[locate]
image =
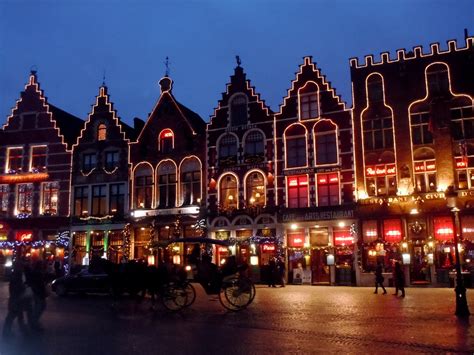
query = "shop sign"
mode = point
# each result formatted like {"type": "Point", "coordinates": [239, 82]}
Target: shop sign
{"type": "Point", "coordinates": [296, 241]}
{"type": "Point", "coordinates": [298, 171]}
{"type": "Point", "coordinates": [402, 199]}
{"type": "Point", "coordinates": [24, 236]}
{"type": "Point", "coordinates": [343, 239]}
{"type": "Point", "coordinates": [268, 247]}
{"type": "Point", "coordinates": [316, 216]}
{"type": "Point", "coordinates": [466, 193]}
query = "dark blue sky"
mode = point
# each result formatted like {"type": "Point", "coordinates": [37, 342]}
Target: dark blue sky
{"type": "Point", "coordinates": [71, 43]}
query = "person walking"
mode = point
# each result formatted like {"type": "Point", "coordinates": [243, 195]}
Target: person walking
{"type": "Point", "coordinates": [399, 279]}
{"type": "Point", "coordinates": [19, 301]}
{"type": "Point", "coordinates": [379, 279]}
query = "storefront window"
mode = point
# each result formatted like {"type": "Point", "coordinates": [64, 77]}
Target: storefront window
{"type": "Point", "coordinates": [369, 231]}
{"type": "Point", "coordinates": [443, 228]}
{"type": "Point", "coordinates": [297, 191]}
{"type": "Point", "coordinates": [425, 175]}
{"type": "Point", "coordinates": [392, 230]}
{"type": "Point", "coordinates": [381, 180]}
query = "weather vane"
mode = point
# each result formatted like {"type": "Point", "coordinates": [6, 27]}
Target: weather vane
{"type": "Point", "coordinates": [237, 58]}
{"type": "Point", "coordinates": [103, 79]}
{"type": "Point", "coordinates": [167, 66]}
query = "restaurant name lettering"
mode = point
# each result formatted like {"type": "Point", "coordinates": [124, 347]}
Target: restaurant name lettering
{"type": "Point", "coordinates": [314, 216]}
{"type": "Point", "coordinates": [398, 199]}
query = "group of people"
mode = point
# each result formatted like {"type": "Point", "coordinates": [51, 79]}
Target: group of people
{"type": "Point", "coordinates": [28, 293]}
{"type": "Point", "coordinates": [398, 279]}
{"type": "Point", "coordinates": [276, 272]}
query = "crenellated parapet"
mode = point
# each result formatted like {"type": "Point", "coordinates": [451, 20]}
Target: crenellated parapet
{"type": "Point", "coordinates": [416, 53]}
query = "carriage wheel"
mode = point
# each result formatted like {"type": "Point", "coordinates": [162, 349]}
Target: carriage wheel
{"type": "Point", "coordinates": [174, 297]}
{"type": "Point", "coordinates": [237, 294]}
{"type": "Point", "coordinates": [190, 293]}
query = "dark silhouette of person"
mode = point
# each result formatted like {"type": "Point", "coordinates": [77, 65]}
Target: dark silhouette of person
{"type": "Point", "coordinates": [379, 279]}
{"type": "Point", "coordinates": [19, 301]}
{"type": "Point", "coordinates": [209, 274]}
{"type": "Point", "coordinates": [280, 265]}
{"type": "Point", "coordinates": [399, 279]}
{"type": "Point", "coordinates": [36, 279]}
{"type": "Point", "coordinates": [272, 272]}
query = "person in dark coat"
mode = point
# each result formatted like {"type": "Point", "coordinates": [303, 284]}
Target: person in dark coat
{"type": "Point", "coordinates": [280, 265]}
{"type": "Point", "coordinates": [36, 279]}
{"type": "Point", "coordinates": [399, 279]}
{"type": "Point", "coordinates": [19, 301]}
{"type": "Point", "coordinates": [272, 272]}
{"type": "Point", "coordinates": [379, 279]}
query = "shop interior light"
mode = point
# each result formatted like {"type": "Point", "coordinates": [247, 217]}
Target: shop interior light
{"type": "Point", "coordinates": [294, 226]}
{"type": "Point", "coordinates": [414, 211]}
{"type": "Point", "coordinates": [254, 260]}
{"type": "Point", "coordinates": [341, 224]}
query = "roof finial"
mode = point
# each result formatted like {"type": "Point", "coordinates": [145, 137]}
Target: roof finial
{"type": "Point", "coordinates": [103, 78]}
{"type": "Point", "coordinates": [237, 58]}
{"type": "Point", "coordinates": [167, 66]}
{"type": "Point", "coordinates": [33, 69]}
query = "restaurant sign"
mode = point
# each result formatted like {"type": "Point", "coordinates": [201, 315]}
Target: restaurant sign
{"type": "Point", "coordinates": [317, 216]}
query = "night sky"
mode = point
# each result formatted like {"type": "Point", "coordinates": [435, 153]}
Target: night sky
{"type": "Point", "coordinates": [72, 42]}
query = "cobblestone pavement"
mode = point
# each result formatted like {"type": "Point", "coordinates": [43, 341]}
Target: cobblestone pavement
{"type": "Point", "coordinates": [294, 319]}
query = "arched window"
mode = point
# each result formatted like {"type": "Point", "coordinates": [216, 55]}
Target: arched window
{"type": "Point", "coordinates": [375, 88]}
{"type": "Point", "coordinates": [309, 101]}
{"type": "Point", "coordinates": [190, 182]}
{"type": "Point", "coordinates": [102, 132]}
{"type": "Point", "coordinates": [254, 147]}
{"type": "Point", "coordinates": [228, 150]}
{"type": "Point", "coordinates": [166, 185]}
{"type": "Point", "coordinates": [166, 141]}
{"type": "Point", "coordinates": [295, 140]}
{"type": "Point", "coordinates": [255, 189]}
{"type": "Point", "coordinates": [424, 165]}
{"type": "Point", "coordinates": [228, 192]}
{"type": "Point", "coordinates": [238, 110]}
{"type": "Point", "coordinates": [437, 78]}
{"type": "Point", "coordinates": [325, 136]}
{"type": "Point", "coordinates": [143, 194]}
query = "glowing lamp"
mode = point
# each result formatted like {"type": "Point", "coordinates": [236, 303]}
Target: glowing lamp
{"type": "Point", "coordinates": [188, 268]}
{"type": "Point", "coordinates": [151, 259]}
{"type": "Point", "coordinates": [330, 259]}
{"type": "Point", "coordinates": [254, 260]}
{"type": "Point", "coordinates": [406, 258]}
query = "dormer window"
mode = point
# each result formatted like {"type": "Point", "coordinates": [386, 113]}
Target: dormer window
{"type": "Point", "coordinates": [238, 110]}
{"type": "Point", "coordinates": [102, 132]}
{"type": "Point", "coordinates": [309, 101]}
{"type": "Point", "coordinates": [166, 141]}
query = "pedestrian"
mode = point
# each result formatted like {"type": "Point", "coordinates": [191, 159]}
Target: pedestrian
{"type": "Point", "coordinates": [20, 300]}
{"type": "Point", "coordinates": [36, 279]}
{"type": "Point", "coordinates": [281, 271]}
{"type": "Point", "coordinates": [399, 279]}
{"type": "Point", "coordinates": [272, 272]}
{"type": "Point", "coordinates": [379, 279]}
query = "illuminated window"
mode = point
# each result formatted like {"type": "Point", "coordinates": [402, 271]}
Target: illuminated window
{"type": "Point", "coordinates": [238, 110]}
{"type": "Point", "coordinates": [254, 144]}
{"type": "Point", "coordinates": [50, 192]}
{"type": "Point", "coordinates": [326, 143]}
{"type": "Point", "coordinates": [102, 132]}
{"type": "Point", "coordinates": [297, 187]}
{"type": "Point", "coordinates": [425, 170]}
{"type": "Point", "coordinates": [328, 189]}
{"type": "Point", "coordinates": [3, 198]}
{"type": "Point", "coordinates": [25, 198]}
{"type": "Point", "coordinates": [143, 187]}
{"type": "Point", "coordinates": [89, 162]}
{"type": "Point", "coordinates": [166, 185]}
{"type": "Point", "coordinates": [117, 198]}
{"type": "Point", "coordinates": [38, 158]}
{"type": "Point", "coordinates": [111, 160]}
{"type": "Point", "coordinates": [15, 156]}
{"type": "Point", "coordinates": [392, 230]}
{"type": "Point", "coordinates": [166, 141]}
{"type": "Point", "coordinates": [190, 182]}
{"type": "Point", "coordinates": [443, 228]}
{"type": "Point", "coordinates": [421, 128]}
{"type": "Point", "coordinates": [228, 192]}
{"type": "Point", "coordinates": [99, 199]}
{"type": "Point", "coordinates": [462, 119]}
{"type": "Point", "coordinates": [381, 179]}
{"type": "Point", "coordinates": [464, 163]}
{"type": "Point", "coordinates": [437, 77]}
{"type": "Point", "coordinates": [228, 150]}
{"type": "Point", "coordinates": [309, 101]}
{"type": "Point", "coordinates": [255, 189]}
{"type": "Point", "coordinates": [342, 236]}
{"type": "Point", "coordinates": [369, 231]}
{"type": "Point", "coordinates": [81, 200]}
{"type": "Point", "coordinates": [296, 153]}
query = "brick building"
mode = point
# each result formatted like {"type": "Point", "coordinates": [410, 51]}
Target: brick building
{"type": "Point", "coordinates": [413, 140]}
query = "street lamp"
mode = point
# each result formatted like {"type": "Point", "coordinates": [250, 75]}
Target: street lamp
{"type": "Point", "coordinates": [462, 309]}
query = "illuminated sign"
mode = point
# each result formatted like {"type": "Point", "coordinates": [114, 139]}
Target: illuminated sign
{"type": "Point", "coordinates": [319, 215]}
{"type": "Point", "coordinates": [381, 170]}
{"type": "Point", "coordinates": [24, 236]}
{"type": "Point", "coordinates": [296, 240]}
{"type": "Point", "coordinates": [461, 162]}
{"type": "Point", "coordinates": [268, 247]}
{"type": "Point", "coordinates": [19, 178]}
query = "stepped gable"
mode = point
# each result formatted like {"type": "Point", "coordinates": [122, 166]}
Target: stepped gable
{"type": "Point", "coordinates": [32, 99]}
{"type": "Point", "coordinates": [416, 53]}
{"type": "Point", "coordinates": [308, 71]}
{"type": "Point", "coordinates": [102, 111]}
{"type": "Point", "coordinates": [238, 84]}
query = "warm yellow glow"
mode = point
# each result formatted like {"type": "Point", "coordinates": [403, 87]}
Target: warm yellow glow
{"type": "Point", "coordinates": [294, 226]}
{"type": "Point", "coordinates": [414, 211]}
{"type": "Point", "coordinates": [341, 224]}
{"type": "Point", "coordinates": [254, 260]}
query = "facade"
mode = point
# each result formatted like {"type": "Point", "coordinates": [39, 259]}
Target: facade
{"type": "Point", "coordinates": [241, 194]}
{"type": "Point", "coordinates": [167, 180]}
{"type": "Point", "coordinates": [314, 179]}
{"type": "Point", "coordinates": [35, 161]}
{"type": "Point", "coordinates": [413, 141]}
{"type": "Point", "coordinates": [100, 184]}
